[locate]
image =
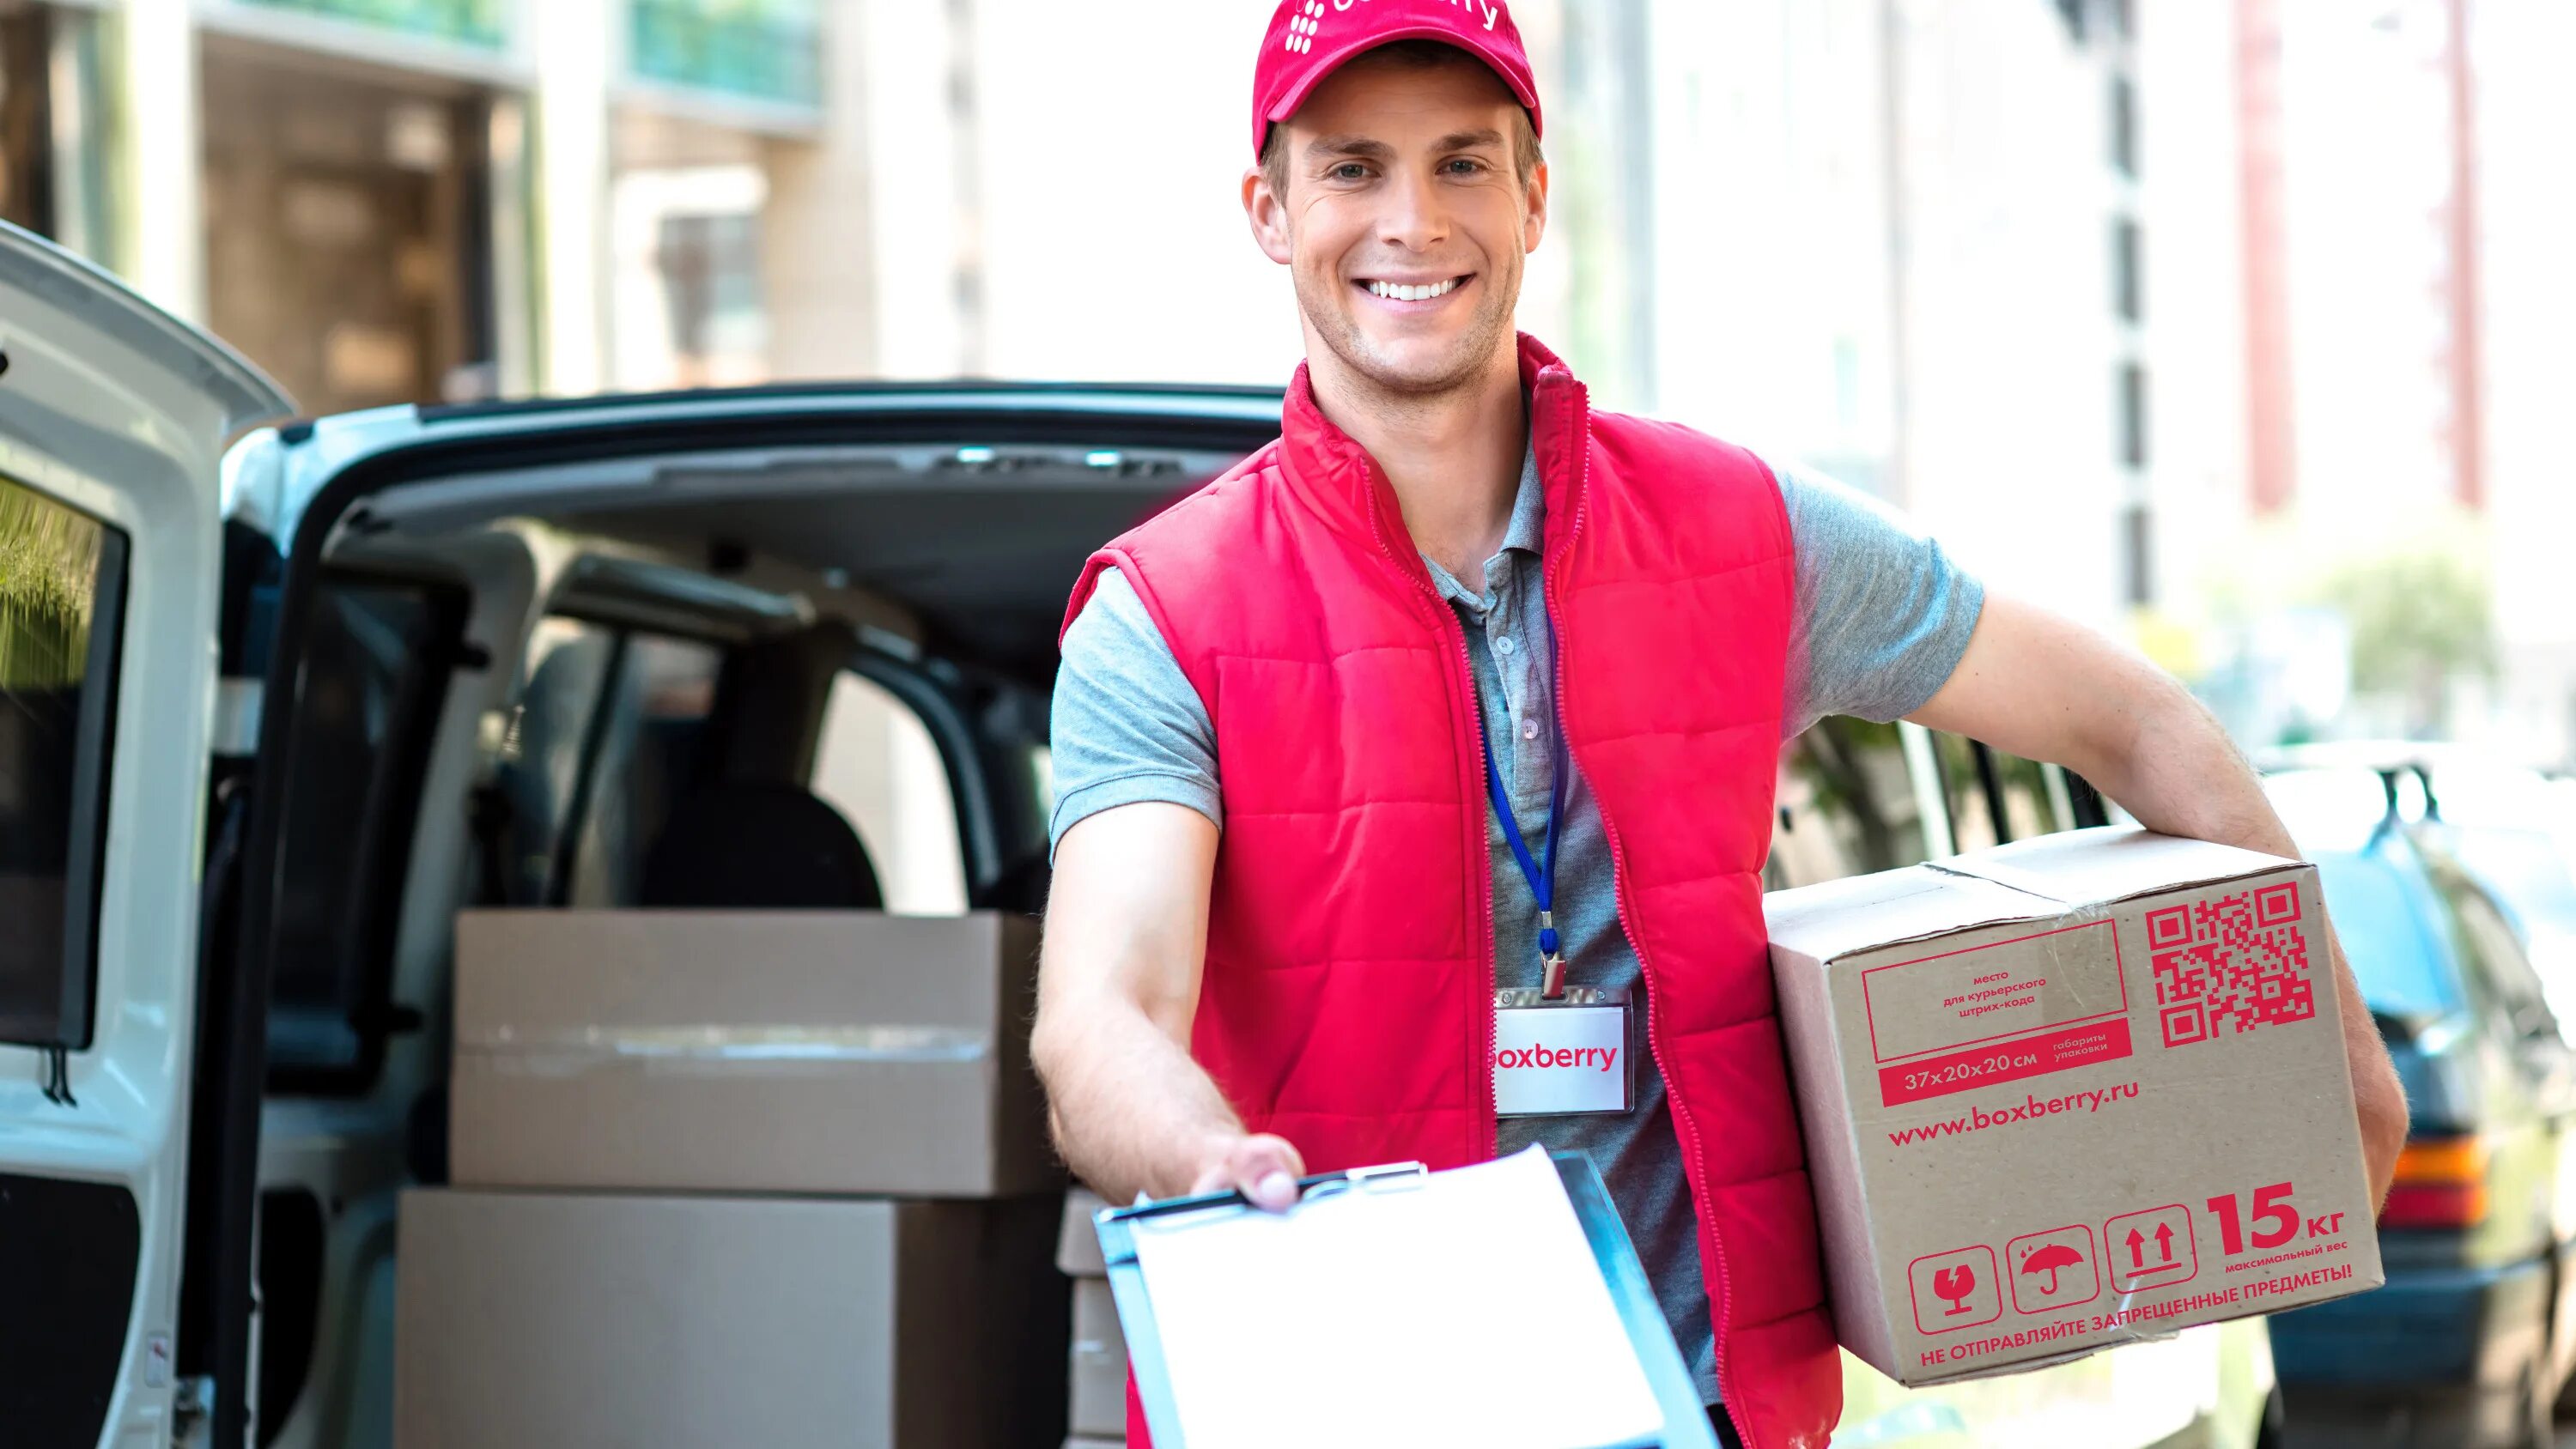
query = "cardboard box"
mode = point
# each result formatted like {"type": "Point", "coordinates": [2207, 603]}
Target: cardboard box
{"type": "Point", "coordinates": [564, 1321]}
{"type": "Point", "coordinates": [1099, 1362]}
{"type": "Point", "coordinates": [789, 1051]}
{"type": "Point", "coordinates": [1077, 1249]}
{"type": "Point", "coordinates": [2068, 1093]}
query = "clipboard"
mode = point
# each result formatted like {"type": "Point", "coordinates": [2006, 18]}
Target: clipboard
{"type": "Point", "coordinates": [1686, 1424]}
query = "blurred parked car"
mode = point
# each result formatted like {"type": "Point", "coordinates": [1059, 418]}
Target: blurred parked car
{"type": "Point", "coordinates": [2515, 830]}
{"type": "Point", "coordinates": [2469, 1342]}
{"type": "Point", "coordinates": [2512, 827]}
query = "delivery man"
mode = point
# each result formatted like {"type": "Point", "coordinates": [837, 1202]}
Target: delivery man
{"type": "Point", "coordinates": [1463, 687]}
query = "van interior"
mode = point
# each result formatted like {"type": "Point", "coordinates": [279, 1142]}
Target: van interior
{"type": "Point", "coordinates": [751, 678]}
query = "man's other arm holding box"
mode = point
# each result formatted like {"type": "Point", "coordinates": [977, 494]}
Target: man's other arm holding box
{"type": "Point", "coordinates": [2045, 688]}
{"type": "Point", "coordinates": [1126, 941]}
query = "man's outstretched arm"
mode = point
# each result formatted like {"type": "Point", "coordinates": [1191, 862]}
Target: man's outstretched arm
{"type": "Point", "coordinates": [2045, 688]}
{"type": "Point", "coordinates": [1118, 985]}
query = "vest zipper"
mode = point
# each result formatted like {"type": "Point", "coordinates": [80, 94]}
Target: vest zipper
{"type": "Point", "coordinates": [1684, 1130]}
{"type": "Point", "coordinates": [1481, 857]}
{"type": "Point", "coordinates": [1480, 861]}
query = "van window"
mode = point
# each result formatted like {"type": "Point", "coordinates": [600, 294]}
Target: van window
{"type": "Point", "coordinates": [2497, 957]}
{"type": "Point", "coordinates": [2534, 880]}
{"type": "Point", "coordinates": [568, 668]}
{"type": "Point", "coordinates": [62, 592]}
{"type": "Point", "coordinates": [878, 765]}
{"type": "Point", "coordinates": [649, 755]}
{"type": "Point", "coordinates": [2393, 931]}
{"type": "Point", "coordinates": [1846, 806]}
{"type": "Point", "coordinates": [375, 678]}
{"type": "Point", "coordinates": [607, 738]}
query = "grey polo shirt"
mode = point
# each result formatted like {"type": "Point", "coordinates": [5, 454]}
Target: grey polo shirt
{"type": "Point", "coordinates": [1882, 616]}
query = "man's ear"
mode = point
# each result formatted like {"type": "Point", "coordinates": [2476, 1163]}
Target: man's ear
{"type": "Point", "coordinates": [1534, 210]}
{"type": "Point", "coordinates": [1268, 213]}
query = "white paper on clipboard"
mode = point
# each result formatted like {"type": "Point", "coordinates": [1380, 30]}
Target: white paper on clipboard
{"type": "Point", "coordinates": [1468, 1310]}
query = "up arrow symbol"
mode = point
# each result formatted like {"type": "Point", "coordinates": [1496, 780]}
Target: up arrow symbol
{"type": "Point", "coordinates": [2137, 1249]}
{"type": "Point", "coordinates": [2164, 1241]}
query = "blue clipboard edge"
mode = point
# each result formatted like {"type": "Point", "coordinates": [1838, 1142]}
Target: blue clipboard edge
{"type": "Point", "coordinates": [1136, 1323]}
{"type": "Point", "coordinates": [1686, 1423]}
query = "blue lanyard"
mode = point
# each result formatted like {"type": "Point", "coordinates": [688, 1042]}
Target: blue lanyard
{"type": "Point", "coordinates": [1541, 877]}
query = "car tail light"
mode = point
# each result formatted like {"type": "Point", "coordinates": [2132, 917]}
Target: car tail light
{"type": "Point", "coordinates": [2441, 1183]}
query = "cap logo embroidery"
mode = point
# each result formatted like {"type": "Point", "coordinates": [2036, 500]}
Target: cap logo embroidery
{"type": "Point", "coordinates": [1303, 25]}
{"type": "Point", "coordinates": [1309, 19]}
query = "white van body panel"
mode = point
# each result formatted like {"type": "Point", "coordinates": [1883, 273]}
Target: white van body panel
{"type": "Point", "coordinates": [123, 413]}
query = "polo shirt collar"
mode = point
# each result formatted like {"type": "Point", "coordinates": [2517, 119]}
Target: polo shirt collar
{"type": "Point", "coordinates": [1344, 484]}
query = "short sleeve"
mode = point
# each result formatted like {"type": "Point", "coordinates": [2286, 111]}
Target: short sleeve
{"type": "Point", "coordinates": [1128, 726]}
{"type": "Point", "coordinates": [1883, 611]}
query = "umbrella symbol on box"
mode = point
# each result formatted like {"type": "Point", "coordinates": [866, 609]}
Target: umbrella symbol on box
{"type": "Point", "coordinates": [2053, 1269]}
{"type": "Point", "coordinates": [2048, 1259]}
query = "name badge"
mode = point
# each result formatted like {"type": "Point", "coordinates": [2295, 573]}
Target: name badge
{"type": "Point", "coordinates": [1568, 1057]}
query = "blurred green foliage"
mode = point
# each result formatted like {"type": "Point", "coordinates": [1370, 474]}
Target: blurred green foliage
{"type": "Point", "coordinates": [2416, 619]}
{"type": "Point", "coordinates": [48, 570]}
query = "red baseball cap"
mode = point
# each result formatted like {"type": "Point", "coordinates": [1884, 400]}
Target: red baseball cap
{"type": "Point", "coordinates": [1310, 39]}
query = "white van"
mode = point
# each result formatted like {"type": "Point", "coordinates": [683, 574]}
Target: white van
{"type": "Point", "coordinates": [278, 699]}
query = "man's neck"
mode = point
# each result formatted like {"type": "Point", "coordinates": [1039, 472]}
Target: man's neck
{"type": "Point", "coordinates": [1454, 458]}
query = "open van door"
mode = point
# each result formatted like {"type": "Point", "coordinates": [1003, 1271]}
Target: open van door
{"type": "Point", "coordinates": [113, 421]}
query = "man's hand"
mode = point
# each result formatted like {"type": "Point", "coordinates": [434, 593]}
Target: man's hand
{"type": "Point", "coordinates": [1262, 1167]}
{"type": "Point", "coordinates": [2042, 687]}
{"type": "Point", "coordinates": [1118, 986]}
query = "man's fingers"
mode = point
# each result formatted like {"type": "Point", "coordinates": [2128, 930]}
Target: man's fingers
{"type": "Point", "coordinates": [1266, 1168]}
{"type": "Point", "coordinates": [1273, 1192]}
{"type": "Point", "coordinates": [1263, 1168]}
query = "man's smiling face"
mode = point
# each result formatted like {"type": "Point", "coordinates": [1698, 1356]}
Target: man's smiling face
{"type": "Point", "coordinates": [1405, 220]}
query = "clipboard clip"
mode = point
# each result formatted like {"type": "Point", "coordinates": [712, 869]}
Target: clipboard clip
{"type": "Point", "coordinates": [1386, 1177]}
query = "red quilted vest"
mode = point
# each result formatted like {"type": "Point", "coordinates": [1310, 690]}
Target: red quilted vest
{"type": "Point", "coordinates": [1347, 1003]}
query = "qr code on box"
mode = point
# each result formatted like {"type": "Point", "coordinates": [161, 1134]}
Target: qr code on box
{"type": "Point", "coordinates": [2232, 964]}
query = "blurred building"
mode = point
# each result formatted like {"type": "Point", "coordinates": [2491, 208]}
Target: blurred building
{"type": "Point", "coordinates": [2360, 301]}
{"type": "Point", "coordinates": [2376, 174]}
{"type": "Point", "coordinates": [2525, 113]}
{"type": "Point", "coordinates": [1899, 239]}
{"type": "Point", "coordinates": [408, 200]}
{"type": "Point", "coordinates": [2118, 298]}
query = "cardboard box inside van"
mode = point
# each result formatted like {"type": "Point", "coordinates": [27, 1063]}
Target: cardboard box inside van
{"type": "Point", "coordinates": [748, 1051]}
{"type": "Point", "coordinates": [599, 1320]}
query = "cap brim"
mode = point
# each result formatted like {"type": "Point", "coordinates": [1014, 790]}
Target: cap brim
{"type": "Point", "coordinates": [1315, 74]}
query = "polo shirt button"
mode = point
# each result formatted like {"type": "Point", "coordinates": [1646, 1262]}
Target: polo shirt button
{"type": "Point", "coordinates": [1529, 729]}
{"type": "Point", "coordinates": [1503, 646]}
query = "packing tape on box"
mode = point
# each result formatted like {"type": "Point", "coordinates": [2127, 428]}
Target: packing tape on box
{"type": "Point", "coordinates": [719, 1050]}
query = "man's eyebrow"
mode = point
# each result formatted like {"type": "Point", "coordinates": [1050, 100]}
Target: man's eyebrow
{"type": "Point", "coordinates": [1323, 147]}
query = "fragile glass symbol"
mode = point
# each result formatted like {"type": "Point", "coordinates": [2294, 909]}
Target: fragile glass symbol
{"type": "Point", "coordinates": [2048, 1260]}
{"type": "Point", "coordinates": [1955, 1284]}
